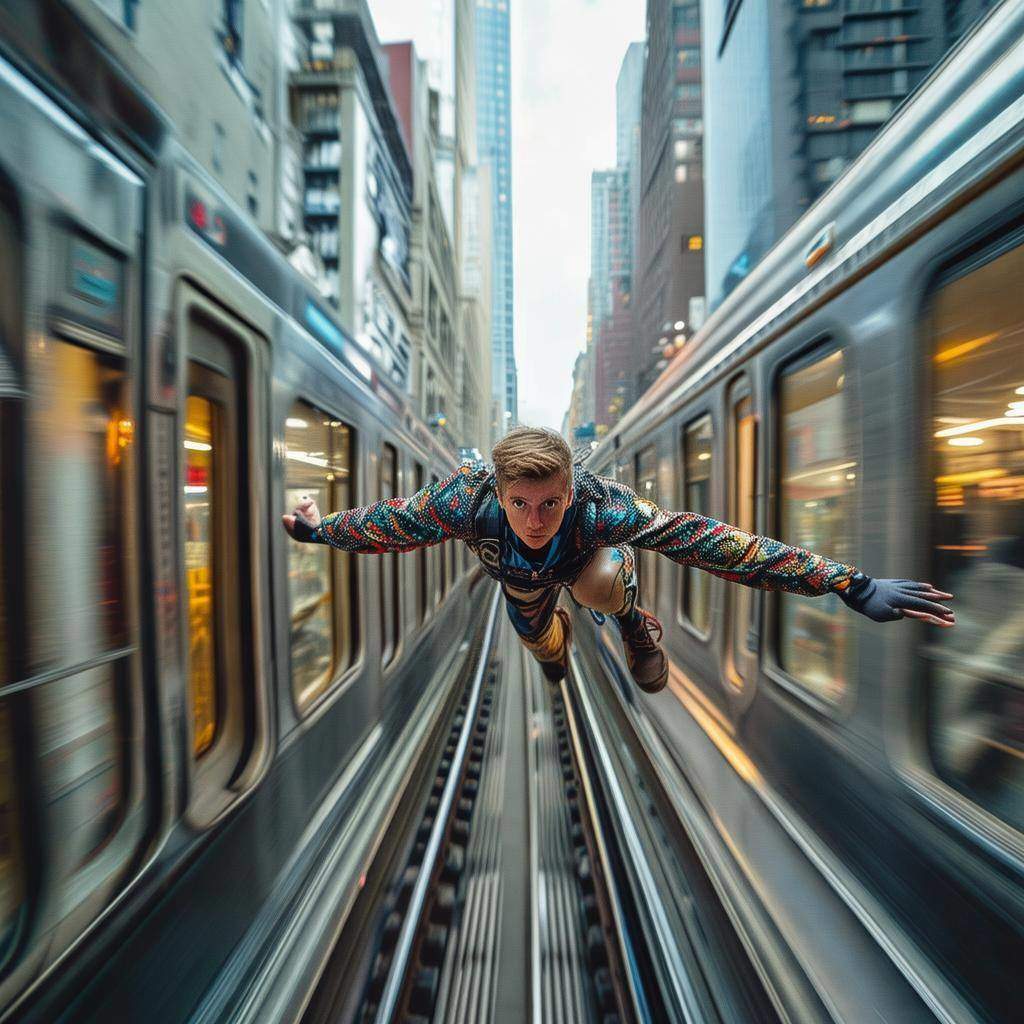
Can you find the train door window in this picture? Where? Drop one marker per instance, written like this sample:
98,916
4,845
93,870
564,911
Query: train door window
389,589
421,556
818,473
221,681
698,446
202,429
321,580
647,488
976,694
742,513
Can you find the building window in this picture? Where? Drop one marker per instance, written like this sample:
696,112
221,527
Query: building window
251,199
232,37
871,111
826,171
688,57
120,10
687,91
975,697
818,474
681,173
218,147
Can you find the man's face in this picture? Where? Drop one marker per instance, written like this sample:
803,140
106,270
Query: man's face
535,508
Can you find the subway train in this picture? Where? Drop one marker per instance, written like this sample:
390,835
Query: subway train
859,787
204,727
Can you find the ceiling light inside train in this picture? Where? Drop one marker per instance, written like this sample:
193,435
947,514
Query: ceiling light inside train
970,428
296,423
198,446
966,442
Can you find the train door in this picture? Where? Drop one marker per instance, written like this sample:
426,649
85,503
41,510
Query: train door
741,604
72,781
221,501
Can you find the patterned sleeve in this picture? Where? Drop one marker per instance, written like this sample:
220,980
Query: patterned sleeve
441,511
717,548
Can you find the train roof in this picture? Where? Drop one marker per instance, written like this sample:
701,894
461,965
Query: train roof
963,123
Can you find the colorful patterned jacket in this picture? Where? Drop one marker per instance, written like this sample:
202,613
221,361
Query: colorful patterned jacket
603,514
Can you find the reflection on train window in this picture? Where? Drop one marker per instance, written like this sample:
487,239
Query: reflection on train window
698,442
318,451
977,669
818,486
647,488
389,615
200,432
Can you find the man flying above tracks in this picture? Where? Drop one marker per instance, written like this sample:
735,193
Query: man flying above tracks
538,524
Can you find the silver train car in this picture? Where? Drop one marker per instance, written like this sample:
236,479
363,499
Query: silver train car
204,727
859,788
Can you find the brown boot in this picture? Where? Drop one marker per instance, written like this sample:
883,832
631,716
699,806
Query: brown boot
647,662
554,671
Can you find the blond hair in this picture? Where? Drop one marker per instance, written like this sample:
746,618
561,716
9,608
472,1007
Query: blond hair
531,453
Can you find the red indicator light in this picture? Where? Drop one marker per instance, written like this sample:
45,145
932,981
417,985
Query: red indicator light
197,214
195,476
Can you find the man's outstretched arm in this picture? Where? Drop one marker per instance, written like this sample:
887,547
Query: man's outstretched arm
761,562
438,512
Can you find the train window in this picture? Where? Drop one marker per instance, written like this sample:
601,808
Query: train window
647,488
321,581
80,435
818,485
221,677
390,621
422,554
976,695
698,446
742,513
201,431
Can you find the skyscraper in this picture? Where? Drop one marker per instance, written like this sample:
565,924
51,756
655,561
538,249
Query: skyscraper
494,146
793,94
628,95
614,195
669,264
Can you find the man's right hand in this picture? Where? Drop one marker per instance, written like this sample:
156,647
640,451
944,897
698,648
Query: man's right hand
307,514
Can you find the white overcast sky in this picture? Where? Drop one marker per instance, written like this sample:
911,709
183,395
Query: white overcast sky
565,59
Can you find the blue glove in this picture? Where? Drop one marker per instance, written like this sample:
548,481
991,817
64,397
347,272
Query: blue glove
888,600
305,531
